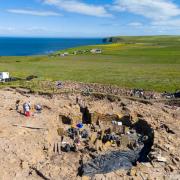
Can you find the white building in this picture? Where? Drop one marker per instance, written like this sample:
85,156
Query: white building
4,76
64,54
96,51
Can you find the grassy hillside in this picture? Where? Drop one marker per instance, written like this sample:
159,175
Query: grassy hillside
145,39
137,62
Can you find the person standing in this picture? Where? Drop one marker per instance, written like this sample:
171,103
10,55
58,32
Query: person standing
17,105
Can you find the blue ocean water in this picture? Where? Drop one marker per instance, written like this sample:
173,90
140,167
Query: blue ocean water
40,46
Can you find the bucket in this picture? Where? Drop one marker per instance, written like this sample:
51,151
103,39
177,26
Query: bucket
80,125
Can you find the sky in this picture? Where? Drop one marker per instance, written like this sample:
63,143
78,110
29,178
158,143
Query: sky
89,18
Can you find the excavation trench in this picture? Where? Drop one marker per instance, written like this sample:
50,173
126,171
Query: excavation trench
115,135
115,160
111,142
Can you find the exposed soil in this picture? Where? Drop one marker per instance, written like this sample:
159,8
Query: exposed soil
27,143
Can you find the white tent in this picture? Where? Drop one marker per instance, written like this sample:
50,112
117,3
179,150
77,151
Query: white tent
4,75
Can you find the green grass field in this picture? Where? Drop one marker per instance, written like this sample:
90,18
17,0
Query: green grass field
152,63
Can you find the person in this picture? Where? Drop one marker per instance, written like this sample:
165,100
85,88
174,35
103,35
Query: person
38,108
17,105
26,109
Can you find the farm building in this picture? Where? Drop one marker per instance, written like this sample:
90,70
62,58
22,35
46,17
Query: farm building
64,54
96,51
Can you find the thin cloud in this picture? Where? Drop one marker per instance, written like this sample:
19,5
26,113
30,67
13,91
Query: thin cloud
168,23
33,12
135,24
76,6
152,9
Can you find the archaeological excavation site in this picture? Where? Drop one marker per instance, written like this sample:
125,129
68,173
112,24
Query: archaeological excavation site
88,135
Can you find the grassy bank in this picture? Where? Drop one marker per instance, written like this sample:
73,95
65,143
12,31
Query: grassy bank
152,64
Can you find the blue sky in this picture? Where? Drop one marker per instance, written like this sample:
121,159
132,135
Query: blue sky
89,18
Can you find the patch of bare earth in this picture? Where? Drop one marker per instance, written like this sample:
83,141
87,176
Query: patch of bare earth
26,144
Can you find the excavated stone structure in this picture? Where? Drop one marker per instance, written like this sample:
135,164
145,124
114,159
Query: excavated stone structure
26,143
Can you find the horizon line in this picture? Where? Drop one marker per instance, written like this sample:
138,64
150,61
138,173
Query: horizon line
84,37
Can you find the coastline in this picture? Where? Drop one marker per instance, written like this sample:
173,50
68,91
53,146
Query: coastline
26,46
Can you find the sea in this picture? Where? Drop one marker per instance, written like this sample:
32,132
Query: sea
41,46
